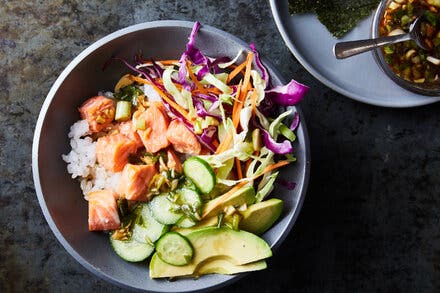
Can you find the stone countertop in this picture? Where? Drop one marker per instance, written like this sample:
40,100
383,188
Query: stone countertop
371,216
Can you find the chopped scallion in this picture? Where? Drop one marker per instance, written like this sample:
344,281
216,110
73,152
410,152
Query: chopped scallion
123,111
287,133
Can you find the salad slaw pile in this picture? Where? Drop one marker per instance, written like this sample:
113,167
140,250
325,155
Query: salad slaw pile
232,109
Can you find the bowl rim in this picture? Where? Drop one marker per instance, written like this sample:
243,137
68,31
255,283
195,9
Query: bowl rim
50,96
380,60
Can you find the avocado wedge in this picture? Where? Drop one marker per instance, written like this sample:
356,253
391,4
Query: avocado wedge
245,195
209,222
221,265
260,216
212,243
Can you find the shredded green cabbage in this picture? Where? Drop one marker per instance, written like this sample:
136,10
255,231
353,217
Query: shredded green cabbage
172,89
266,186
233,61
217,82
275,125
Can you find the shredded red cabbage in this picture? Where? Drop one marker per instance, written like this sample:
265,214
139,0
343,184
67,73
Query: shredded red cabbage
192,52
183,72
295,122
198,58
267,107
154,71
290,185
289,94
202,112
195,55
228,109
280,148
207,137
214,106
210,97
202,72
264,73
159,70
147,75
214,64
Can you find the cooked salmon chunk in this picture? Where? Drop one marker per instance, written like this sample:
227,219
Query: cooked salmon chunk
182,139
103,211
152,125
134,181
99,112
112,151
173,161
129,130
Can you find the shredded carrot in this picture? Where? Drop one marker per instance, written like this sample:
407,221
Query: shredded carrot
164,96
173,104
238,166
199,86
224,144
224,197
247,164
244,88
247,76
160,81
213,90
236,107
139,79
272,167
164,62
236,71
254,101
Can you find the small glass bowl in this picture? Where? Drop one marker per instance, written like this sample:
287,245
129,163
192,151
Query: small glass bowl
420,88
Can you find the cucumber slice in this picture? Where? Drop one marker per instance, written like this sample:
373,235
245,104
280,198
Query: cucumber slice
174,249
165,211
146,229
190,198
185,222
188,184
200,173
131,250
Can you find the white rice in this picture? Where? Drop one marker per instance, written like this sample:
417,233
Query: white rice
82,156
98,179
106,94
81,161
151,93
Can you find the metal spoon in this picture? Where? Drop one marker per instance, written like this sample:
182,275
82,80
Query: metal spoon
347,49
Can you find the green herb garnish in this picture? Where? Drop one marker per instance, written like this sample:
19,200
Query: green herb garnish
129,93
432,18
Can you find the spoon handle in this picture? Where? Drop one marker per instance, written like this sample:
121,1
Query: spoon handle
347,49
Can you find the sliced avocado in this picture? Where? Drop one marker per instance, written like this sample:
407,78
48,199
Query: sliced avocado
209,222
259,217
222,265
218,190
224,171
245,195
238,247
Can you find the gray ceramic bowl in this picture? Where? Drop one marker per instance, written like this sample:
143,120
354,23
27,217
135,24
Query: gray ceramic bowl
428,90
60,196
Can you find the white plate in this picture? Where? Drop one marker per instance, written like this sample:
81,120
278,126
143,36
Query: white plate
358,77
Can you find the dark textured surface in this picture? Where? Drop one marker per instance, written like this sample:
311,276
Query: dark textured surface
370,219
